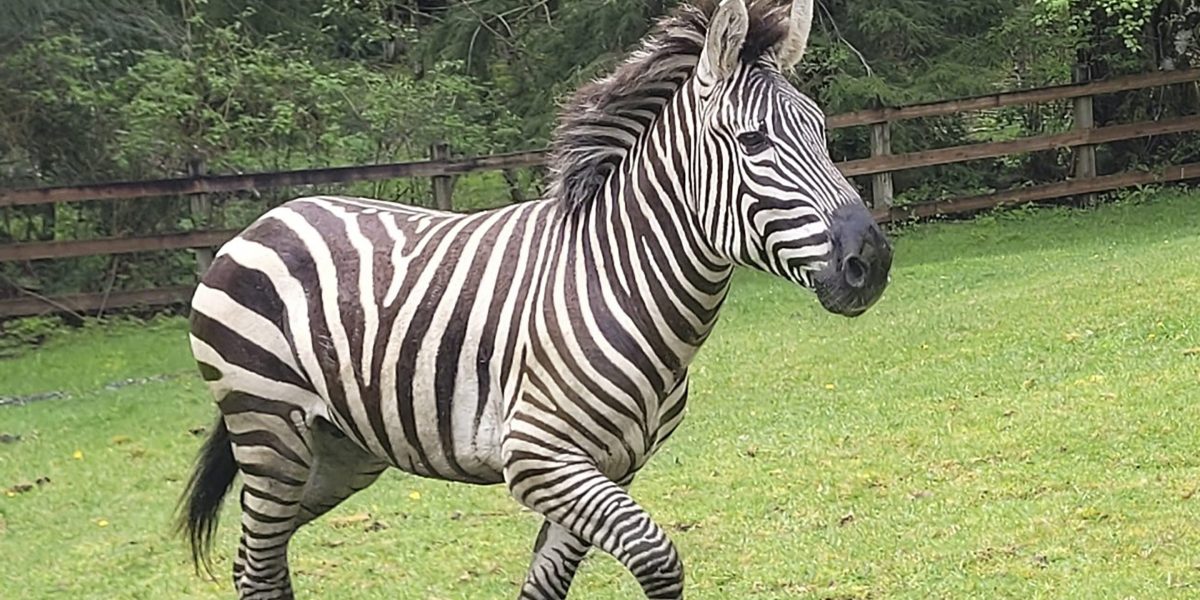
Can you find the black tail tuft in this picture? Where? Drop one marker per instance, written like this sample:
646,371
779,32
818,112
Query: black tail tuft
201,502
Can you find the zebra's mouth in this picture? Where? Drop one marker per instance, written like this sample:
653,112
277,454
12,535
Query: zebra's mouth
842,300
852,286
861,262
835,295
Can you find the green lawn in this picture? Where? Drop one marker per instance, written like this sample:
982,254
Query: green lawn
1017,418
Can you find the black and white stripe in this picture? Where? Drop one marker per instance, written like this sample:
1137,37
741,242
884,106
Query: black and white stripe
546,345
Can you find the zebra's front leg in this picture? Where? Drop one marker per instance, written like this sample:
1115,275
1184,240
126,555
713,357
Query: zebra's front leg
586,505
557,554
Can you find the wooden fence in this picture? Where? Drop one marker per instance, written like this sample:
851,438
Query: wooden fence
880,167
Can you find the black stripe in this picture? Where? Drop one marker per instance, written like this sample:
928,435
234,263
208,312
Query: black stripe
243,353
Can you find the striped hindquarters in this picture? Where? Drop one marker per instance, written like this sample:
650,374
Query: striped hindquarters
396,324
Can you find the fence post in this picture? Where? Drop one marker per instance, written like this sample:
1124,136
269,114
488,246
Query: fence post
443,185
201,216
882,187
1085,156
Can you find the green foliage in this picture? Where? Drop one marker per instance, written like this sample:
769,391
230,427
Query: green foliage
124,89
1127,19
535,52
17,335
241,100
50,88
223,94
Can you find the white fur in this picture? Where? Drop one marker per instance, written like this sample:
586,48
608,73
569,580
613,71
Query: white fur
792,48
726,35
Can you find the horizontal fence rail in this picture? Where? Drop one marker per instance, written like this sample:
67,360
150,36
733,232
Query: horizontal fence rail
957,154
121,245
131,190
1014,98
534,158
881,165
90,303
1074,187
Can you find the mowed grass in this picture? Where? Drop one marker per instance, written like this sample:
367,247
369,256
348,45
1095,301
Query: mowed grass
1017,418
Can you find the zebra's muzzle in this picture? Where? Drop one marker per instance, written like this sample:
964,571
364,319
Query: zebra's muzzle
857,273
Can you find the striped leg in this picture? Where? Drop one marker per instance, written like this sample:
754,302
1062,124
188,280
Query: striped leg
557,554
585,503
275,471
340,470
292,475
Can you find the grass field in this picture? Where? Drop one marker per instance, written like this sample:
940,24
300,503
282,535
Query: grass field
1017,418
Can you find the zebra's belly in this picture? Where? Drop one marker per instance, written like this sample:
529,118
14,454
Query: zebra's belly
455,438
400,326
414,319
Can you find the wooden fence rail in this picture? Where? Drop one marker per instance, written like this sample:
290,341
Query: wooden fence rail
1073,187
1014,98
1071,139
880,166
130,190
121,245
533,158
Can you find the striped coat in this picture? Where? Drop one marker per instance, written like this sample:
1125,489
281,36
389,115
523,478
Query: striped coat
544,346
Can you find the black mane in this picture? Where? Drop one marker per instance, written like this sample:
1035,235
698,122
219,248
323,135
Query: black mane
606,118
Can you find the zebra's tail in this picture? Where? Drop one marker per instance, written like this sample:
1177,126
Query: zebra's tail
201,502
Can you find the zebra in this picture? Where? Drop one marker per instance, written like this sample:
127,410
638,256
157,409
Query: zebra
544,346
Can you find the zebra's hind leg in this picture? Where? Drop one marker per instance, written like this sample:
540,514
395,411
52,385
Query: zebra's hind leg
271,446
294,470
340,469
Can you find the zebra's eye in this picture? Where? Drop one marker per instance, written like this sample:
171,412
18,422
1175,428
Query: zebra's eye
754,142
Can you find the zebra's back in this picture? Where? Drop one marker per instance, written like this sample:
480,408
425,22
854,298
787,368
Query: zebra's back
398,325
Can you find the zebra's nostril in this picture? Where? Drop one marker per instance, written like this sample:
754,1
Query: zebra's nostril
856,271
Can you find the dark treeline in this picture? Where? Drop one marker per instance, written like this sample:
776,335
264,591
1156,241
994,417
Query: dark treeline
95,90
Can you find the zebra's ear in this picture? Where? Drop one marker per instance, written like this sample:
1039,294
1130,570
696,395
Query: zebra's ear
726,35
791,49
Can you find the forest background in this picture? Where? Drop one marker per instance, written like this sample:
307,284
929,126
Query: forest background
102,90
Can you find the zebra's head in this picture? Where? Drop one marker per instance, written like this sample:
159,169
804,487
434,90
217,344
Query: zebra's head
766,192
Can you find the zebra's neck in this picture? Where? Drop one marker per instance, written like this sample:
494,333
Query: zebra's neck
640,246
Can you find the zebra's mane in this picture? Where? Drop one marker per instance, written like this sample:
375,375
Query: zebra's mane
605,118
